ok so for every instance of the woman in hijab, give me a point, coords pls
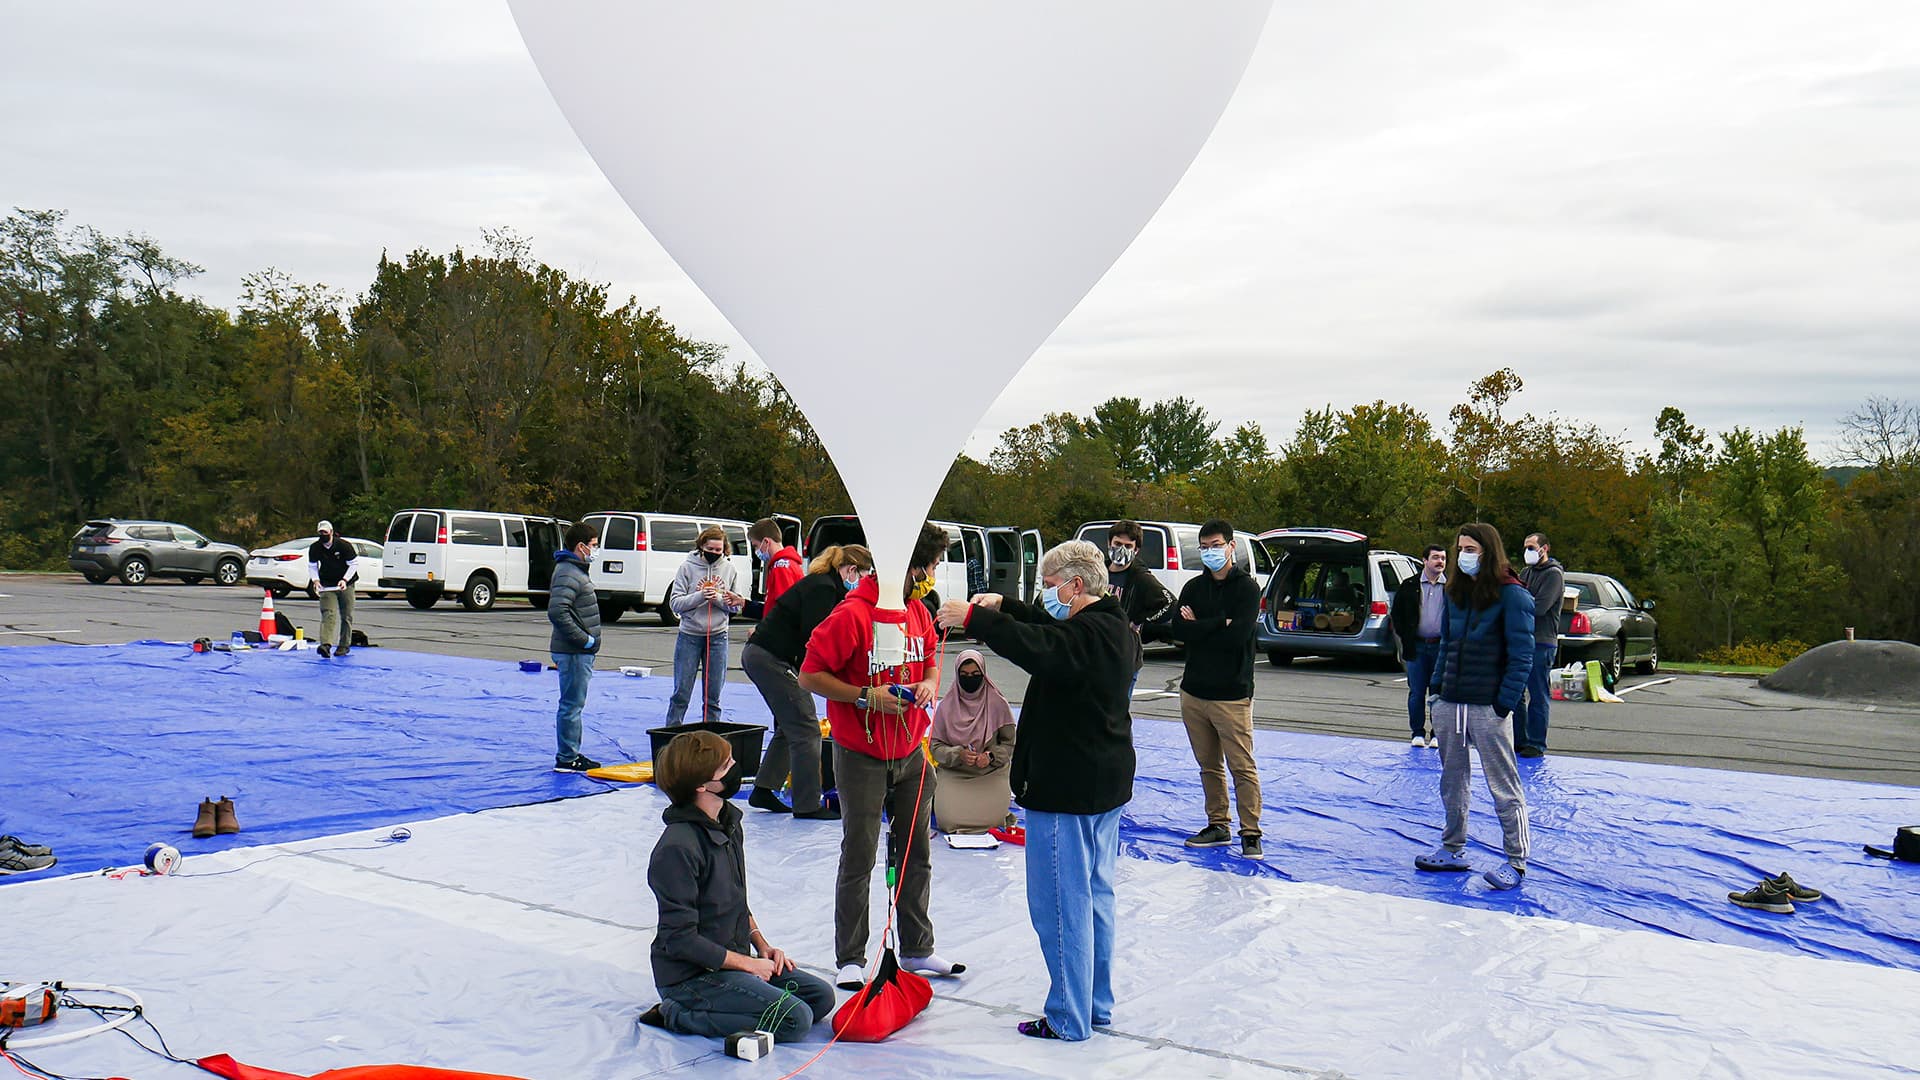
(972, 742)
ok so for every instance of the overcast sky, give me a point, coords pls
(1714, 205)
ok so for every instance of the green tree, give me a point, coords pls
(1123, 423)
(1370, 468)
(1771, 489)
(1179, 438)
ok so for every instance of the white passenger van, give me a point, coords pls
(640, 552)
(477, 555)
(1171, 549)
(980, 558)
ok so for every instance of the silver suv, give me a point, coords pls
(134, 551)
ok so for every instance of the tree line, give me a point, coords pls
(487, 379)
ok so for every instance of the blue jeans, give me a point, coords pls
(720, 1003)
(690, 652)
(576, 672)
(1070, 861)
(1420, 672)
(1530, 724)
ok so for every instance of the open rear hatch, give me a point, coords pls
(1321, 580)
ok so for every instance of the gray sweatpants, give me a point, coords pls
(1456, 726)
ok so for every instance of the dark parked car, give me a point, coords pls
(134, 551)
(1602, 621)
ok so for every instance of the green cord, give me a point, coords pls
(768, 1014)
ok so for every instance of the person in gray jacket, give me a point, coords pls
(574, 611)
(716, 972)
(705, 600)
(1546, 579)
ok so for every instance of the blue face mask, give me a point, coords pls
(1056, 607)
(1470, 563)
(1214, 559)
(851, 585)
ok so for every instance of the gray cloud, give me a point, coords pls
(1713, 205)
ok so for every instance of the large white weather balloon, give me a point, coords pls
(894, 202)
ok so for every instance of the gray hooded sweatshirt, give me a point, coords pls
(1547, 581)
(698, 615)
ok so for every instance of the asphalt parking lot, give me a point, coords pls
(1699, 720)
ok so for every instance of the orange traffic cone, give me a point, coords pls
(268, 627)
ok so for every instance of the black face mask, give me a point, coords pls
(729, 784)
(711, 556)
(970, 684)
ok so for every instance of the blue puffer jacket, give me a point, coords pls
(1485, 655)
(572, 607)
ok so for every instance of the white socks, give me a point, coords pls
(931, 964)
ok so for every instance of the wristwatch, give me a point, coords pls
(861, 701)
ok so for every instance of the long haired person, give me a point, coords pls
(705, 599)
(1484, 655)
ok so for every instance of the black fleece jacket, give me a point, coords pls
(787, 625)
(698, 874)
(1219, 637)
(1073, 753)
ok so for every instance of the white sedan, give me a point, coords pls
(282, 568)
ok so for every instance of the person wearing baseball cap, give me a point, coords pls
(332, 574)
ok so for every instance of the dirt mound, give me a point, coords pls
(1875, 671)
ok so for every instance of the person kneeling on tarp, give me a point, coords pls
(715, 970)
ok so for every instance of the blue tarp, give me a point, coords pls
(108, 749)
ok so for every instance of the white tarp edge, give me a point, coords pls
(515, 941)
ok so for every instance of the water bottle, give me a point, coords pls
(239, 640)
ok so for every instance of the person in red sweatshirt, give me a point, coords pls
(877, 762)
(785, 568)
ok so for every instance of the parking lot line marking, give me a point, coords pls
(68, 630)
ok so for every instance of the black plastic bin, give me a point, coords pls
(748, 741)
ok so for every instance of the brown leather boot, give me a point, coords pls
(204, 825)
(225, 822)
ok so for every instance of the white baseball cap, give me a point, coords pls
(326, 526)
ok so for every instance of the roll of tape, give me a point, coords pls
(162, 859)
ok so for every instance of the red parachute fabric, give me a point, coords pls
(884, 1005)
(222, 1065)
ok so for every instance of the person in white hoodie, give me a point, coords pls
(704, 597)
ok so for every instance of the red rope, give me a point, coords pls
(893, 904)
(706, 671)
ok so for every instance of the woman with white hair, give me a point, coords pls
(1072, 769)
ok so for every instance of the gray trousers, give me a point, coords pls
(336, 617)
(1455, 726)
(796, 728)
(866, 785)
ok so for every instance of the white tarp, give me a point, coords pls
(515, 941)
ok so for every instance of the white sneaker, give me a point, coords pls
(1433, 743)
(1417, 742)
(851, 977)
